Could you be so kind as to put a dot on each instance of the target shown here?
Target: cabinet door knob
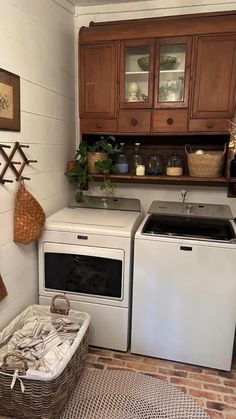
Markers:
(98, 125)
(170, 121)
(210, 124)
(134, 122)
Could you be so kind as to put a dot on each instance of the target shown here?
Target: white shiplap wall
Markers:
(149, 8)
(155, 8)
(37, 43)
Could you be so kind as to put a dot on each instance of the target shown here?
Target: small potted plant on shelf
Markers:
(92, 160)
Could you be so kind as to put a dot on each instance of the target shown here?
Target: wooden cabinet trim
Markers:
(164, 18)
(195, 24)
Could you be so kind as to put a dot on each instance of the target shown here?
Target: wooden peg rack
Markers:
(11, 163)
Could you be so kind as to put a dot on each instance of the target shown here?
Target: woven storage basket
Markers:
(29, 217)
(210, 164)
(44, 398)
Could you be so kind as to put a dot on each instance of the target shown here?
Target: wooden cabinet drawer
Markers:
(175, 120)
(134, 121)
(209, 125)
(98, 125)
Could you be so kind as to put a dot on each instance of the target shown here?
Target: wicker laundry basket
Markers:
(210, 164)
(45, 395)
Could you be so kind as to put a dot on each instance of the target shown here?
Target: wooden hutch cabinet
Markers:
(161, 77)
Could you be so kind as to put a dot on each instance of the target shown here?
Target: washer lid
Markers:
(191, 209)
(195, 228)
(95, 221)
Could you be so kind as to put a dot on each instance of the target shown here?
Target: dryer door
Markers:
(89, 272)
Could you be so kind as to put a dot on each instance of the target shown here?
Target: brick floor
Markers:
(214, 390)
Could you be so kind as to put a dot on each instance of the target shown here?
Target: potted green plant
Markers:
(100, 151)
(94, 159)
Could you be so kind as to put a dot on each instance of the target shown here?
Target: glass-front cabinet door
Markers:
(172, 72)
(136, 78)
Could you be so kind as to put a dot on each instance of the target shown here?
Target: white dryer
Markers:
(86, 253)
(184, 287)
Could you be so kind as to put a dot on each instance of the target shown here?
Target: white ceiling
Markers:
(93, 2)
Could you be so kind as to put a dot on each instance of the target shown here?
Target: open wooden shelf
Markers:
(171, 180)
(229, 183)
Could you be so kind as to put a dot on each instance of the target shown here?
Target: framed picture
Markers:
(9, 101)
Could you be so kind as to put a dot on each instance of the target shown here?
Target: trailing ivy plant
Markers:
(79, 175)
(107, 167)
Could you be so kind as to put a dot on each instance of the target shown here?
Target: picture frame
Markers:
(9, 101)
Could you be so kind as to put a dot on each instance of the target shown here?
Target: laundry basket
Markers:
(37, 394)
(209, 164)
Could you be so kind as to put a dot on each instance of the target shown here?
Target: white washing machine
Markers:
(86, 253)
(184, 286)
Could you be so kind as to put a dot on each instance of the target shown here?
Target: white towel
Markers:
(42, 341)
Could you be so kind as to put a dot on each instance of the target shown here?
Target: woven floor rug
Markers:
(128, 395)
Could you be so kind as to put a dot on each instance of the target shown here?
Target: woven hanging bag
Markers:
(29, 217)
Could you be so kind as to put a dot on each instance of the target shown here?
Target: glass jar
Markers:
(174, 165)
(122, 163)
(137, 158)
(155, 165)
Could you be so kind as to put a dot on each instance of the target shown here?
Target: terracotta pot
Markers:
(70, 165)
(92, 158)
